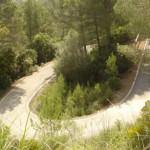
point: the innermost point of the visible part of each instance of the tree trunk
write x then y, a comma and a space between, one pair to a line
96, 30
82, 31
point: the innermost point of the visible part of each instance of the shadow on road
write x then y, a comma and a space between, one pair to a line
11, 100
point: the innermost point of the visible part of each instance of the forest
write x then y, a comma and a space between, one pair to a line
34, 32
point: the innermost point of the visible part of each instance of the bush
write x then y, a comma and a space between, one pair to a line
8, 67
114, 83
96, 66
5, 82
76, 101
60, 101
123, 63
27, 61
111, 66
44, 47
120, 35
53, 100
139, 133
71, 60
107, 93
130, 52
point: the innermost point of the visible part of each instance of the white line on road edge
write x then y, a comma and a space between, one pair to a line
139, 66
34, 94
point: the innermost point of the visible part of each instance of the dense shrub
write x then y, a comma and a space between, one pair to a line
71, 60
66, 101
114, 83
120, 35
111, 66
84, 100
76, 101
131, 53
42, 43
107, 93
8, 67
26, 61
96, 66
5, 81
123, 63
53, 102
139, 133
95, 99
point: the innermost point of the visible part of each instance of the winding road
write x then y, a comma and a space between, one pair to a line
14, 110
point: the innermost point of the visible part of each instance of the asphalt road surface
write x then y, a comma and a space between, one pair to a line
13, 107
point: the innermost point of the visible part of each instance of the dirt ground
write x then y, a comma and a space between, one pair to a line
126, 83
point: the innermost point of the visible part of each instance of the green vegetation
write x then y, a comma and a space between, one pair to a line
45, 49
64, 102
19, 34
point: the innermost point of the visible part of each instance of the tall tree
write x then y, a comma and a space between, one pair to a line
70, 60
139, 10
32, 18
60, 16
107, 17
7, 11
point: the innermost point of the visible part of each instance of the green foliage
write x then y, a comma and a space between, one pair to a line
45, 142
63, 102
44, 47
97, 67
107, 93
5, 81
114, 83
71, 60
123, 63
57, 142
7, 10
53, 103
86, 100
76, 101
8, 61
7, 141
8, 67
4, 36
113, 139
139, 133
111, 66
130, 52
120, 35
32, 19
135, 8
26, 61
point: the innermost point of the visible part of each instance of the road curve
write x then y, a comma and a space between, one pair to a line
14, 111
13, 107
